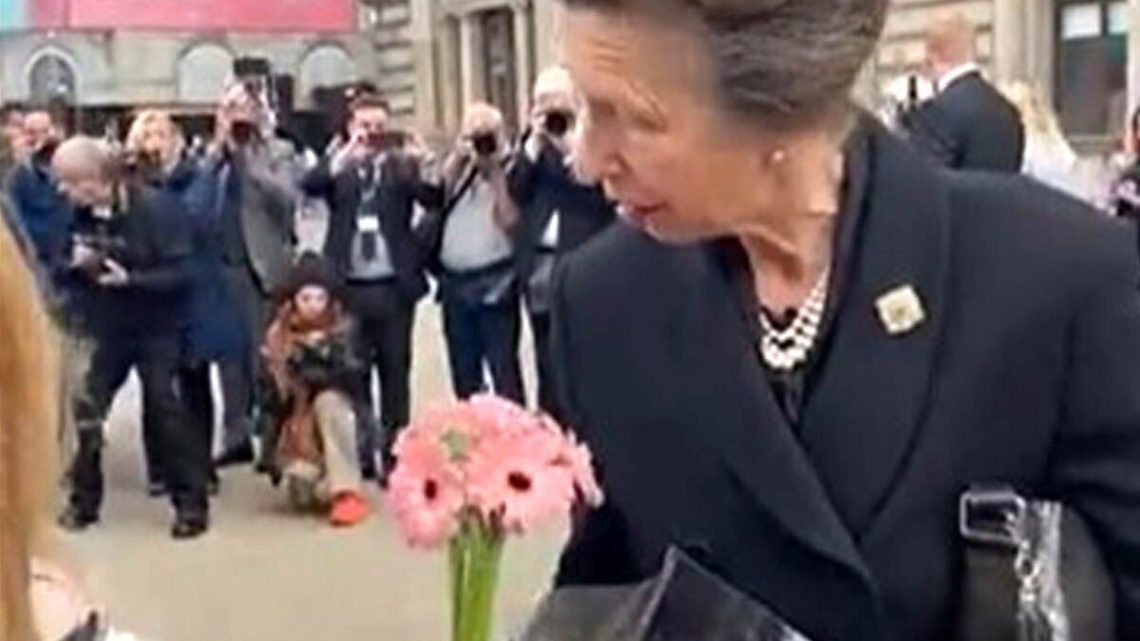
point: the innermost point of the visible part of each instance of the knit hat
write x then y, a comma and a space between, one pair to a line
310, 269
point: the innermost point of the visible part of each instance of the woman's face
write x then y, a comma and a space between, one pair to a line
652, 132
157, 140
311, 301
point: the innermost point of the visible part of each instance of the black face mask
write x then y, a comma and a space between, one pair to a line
243, 132
485, 144
557, 123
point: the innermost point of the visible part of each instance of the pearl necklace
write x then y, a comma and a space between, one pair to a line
785, 349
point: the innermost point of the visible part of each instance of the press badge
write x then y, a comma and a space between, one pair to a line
368, 224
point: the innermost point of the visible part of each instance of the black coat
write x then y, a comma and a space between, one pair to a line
1025, 371
970, 125
401, 187
152, 241
544, 186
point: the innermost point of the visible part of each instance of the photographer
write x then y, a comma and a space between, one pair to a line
247, 200
560, 211
156, 156
473, 254
127, 274
371, 184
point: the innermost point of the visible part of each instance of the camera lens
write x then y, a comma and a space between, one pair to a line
557, 123
243, 132
485, 144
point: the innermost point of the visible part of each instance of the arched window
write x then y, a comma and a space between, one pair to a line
203, 72
325, 66
51, 78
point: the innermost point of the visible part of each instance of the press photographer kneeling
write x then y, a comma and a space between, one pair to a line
126, 285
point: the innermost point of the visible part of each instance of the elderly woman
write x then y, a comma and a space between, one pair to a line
809, 341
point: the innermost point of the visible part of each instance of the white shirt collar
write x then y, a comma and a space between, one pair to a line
955, 74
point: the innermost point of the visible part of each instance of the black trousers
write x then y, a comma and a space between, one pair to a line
479, 335
198, 402
547, 392
240, 374
385, 320
186, 463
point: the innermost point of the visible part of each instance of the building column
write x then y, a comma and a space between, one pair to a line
547, 33
427, 114
1010, 43
523, 73
470, 59
448, 73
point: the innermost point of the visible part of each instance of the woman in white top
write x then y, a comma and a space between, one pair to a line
1048, 156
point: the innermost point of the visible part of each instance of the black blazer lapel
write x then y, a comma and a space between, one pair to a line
753, 436
872, 384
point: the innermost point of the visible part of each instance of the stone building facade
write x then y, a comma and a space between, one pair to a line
1083, 55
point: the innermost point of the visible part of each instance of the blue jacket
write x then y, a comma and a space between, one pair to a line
43, 212
215, 331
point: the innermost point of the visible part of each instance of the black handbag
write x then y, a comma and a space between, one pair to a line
684, 602
1032, 572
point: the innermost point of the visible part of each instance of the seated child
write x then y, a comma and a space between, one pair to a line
313, 376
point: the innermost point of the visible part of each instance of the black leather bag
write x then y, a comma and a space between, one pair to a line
1032, 572
684, 602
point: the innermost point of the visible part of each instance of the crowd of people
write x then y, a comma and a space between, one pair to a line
177, 263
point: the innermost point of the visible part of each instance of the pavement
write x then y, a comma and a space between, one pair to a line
266, 574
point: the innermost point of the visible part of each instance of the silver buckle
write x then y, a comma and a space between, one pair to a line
992, 516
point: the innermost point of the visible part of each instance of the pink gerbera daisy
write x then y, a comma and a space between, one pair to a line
425, 493
512, 480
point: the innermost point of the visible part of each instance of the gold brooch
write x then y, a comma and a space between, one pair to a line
900, 310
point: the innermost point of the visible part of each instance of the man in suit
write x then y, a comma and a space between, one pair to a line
560, 211
968, 124
371, 184
247, 191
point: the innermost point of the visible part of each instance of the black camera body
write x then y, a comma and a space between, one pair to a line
103, 246
485, 143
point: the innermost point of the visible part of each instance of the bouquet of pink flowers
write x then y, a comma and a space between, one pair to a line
471, 473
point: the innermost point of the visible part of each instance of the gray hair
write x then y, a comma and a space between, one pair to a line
788, 63
88, 154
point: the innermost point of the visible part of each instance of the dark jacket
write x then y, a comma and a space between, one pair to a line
543, 187
215, 331
150, 238
248, 190
401, 187
970, 125
42, 211
1024, 371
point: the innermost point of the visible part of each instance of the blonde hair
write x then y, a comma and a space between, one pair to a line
1041, 122
29, 379
148, 117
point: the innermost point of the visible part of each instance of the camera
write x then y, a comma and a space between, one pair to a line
557, 123
102, 247
243, 132
387, 140
485, 143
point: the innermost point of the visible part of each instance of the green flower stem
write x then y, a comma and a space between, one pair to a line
476, 557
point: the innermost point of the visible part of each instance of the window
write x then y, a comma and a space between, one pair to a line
51, 79
1092, 58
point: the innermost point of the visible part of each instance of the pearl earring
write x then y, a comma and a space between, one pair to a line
778, 157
